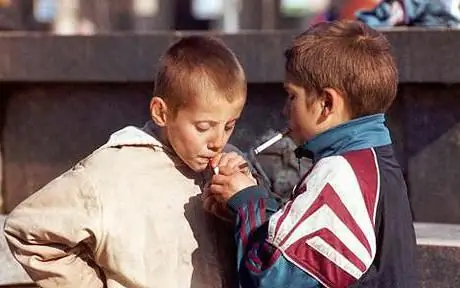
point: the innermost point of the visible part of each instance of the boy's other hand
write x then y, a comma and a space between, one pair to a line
223, 186
218, 209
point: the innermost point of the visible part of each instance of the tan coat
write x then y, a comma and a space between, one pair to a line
133, 210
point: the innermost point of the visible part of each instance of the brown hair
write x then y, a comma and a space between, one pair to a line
350, 57
194, 65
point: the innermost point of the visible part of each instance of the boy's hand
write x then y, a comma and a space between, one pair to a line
233, 162
224, 186
218, 209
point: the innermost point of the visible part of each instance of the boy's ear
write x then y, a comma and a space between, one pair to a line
332, 102
158, 111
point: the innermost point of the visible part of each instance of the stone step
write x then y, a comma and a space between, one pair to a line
438, 258
438, 255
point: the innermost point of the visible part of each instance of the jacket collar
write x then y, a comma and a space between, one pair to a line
361, 133
149, 135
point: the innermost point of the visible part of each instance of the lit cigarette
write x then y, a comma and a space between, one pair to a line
270, 142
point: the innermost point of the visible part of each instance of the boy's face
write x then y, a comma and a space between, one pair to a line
200, 130
304, 120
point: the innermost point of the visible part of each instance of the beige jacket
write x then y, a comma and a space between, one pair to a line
129, 215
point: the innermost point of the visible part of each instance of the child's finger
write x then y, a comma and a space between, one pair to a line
227, 157
216, 189
235, 163
234, 167
219, 193
244, 168
220, 179
228, 170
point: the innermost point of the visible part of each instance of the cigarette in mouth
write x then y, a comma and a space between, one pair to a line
270, 142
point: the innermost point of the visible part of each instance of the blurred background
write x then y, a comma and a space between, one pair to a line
102, 16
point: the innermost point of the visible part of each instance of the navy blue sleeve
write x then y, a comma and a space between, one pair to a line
260, 264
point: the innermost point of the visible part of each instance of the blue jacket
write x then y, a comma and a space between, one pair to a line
348, 222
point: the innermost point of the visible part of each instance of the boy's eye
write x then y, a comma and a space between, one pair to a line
202, 127
291, 96
229, 128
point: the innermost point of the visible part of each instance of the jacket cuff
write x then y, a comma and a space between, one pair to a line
246, 195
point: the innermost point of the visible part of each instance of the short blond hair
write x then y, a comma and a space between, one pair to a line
195, 64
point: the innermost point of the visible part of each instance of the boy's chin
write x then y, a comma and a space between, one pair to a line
297, 140
196, 167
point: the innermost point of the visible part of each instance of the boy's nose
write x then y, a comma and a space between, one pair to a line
217, 142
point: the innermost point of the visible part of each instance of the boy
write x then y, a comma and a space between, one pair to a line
348, 222
130, 215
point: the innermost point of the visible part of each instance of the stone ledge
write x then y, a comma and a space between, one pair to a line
435, 234
128, 57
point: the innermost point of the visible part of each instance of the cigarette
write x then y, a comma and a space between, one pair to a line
215, 170
270, 142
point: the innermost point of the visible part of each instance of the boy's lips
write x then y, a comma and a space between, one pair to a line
209, 158
204, 160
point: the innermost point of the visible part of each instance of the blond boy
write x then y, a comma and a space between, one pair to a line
130, 214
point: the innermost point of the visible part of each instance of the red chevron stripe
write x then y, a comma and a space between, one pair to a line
330, 198
364, 166
319, 266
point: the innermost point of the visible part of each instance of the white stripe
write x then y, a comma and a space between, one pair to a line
339, 174
324, 217
330, 253
377, 194
346, 186
274, 219
317, 179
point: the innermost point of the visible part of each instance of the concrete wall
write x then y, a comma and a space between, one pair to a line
48, 127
